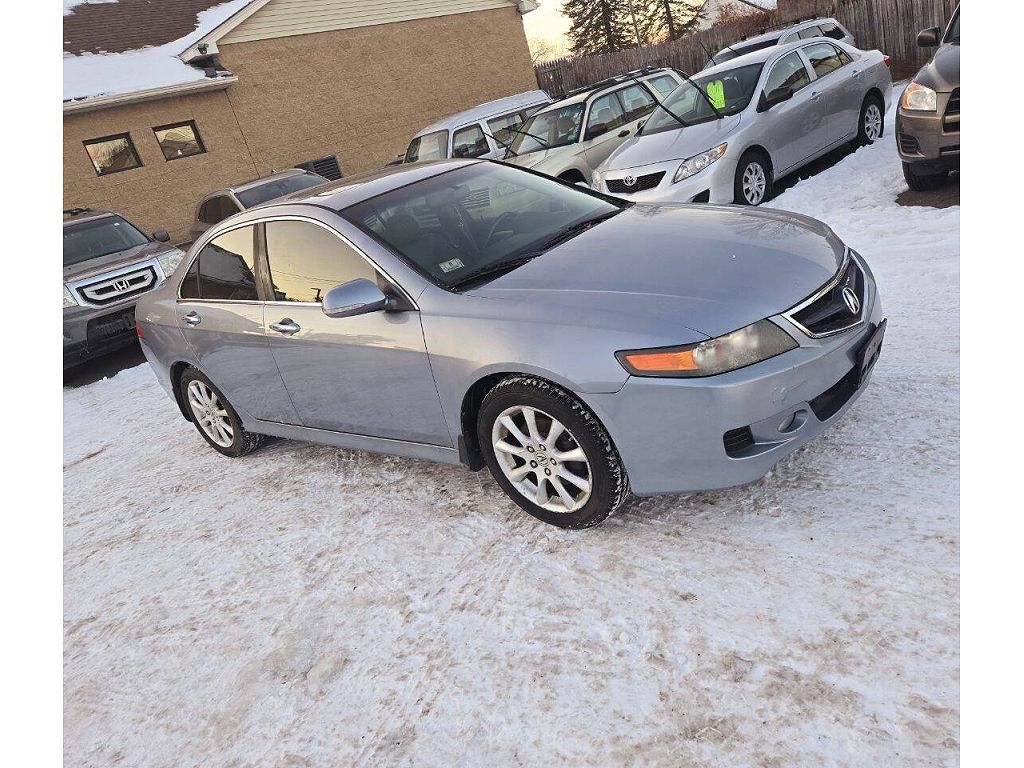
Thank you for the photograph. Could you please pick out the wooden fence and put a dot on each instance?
(891, 26)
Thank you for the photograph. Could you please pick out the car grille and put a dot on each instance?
(648, 181)
(951, 117)
(832, 309)
(908, 144)
(119, 287)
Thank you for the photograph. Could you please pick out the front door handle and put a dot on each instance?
(286, 326)
(815, 95)
(624, 134)
(193, 318)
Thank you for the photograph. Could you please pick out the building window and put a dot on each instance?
(110, 154)
(179, 140)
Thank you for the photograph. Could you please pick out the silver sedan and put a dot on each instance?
(738, 126)
(580, 346)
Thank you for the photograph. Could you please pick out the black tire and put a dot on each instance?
(863, 139)
(752, 157)
(923, 182)
(242, 441)
(572, 177)
(609, 485)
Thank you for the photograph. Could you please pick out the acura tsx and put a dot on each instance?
(580, 346)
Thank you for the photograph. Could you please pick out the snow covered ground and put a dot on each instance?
(307, 606)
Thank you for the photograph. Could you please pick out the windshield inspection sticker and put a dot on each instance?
(716, 92)
(451, 265)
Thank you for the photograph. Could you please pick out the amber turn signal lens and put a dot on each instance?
(681, 360)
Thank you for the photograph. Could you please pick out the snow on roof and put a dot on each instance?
(92, 75)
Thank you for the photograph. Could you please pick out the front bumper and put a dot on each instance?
(672, 434)
(929, 140)
(714, 184)
(93, 331)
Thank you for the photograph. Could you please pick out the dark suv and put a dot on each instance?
(928, 118)
(108, 264)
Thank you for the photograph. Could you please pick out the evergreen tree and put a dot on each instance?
(599, 26)
(671, 19)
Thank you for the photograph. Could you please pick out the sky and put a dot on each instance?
(548, 25)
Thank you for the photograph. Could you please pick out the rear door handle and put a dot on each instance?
(193, 318)
(286, 326)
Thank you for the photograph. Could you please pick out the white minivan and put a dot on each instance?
(485, 131)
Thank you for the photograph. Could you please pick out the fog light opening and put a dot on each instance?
(794, 422)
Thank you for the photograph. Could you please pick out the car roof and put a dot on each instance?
(762, 55)
(597, 89)
(489, 109)
(78, 215)
(338, 195)
(242, 186)
(778, 32)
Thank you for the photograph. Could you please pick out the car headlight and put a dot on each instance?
(697, 163)
(170, 260)
(595, 180)
(918, 97)
(738, 349)
(69, 299)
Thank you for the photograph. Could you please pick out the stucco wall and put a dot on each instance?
(357, 93)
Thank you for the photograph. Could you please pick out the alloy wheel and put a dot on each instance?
(542, 459)
(210, 414)
(872, 122)
(754, 183)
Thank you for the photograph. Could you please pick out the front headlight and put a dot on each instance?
(595, 180)
(738, 349)
(919, 98)
(69, 299)
(170, 260)
(697, 163)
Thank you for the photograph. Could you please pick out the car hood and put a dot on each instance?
(661, 269)
(117, 259)
(534, 159)
(942, 73)
(675, 144)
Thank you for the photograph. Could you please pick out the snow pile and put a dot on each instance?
(69, 5)
(309, 606)
(92, 75)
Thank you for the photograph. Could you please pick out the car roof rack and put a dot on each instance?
(77, 211)
(615, 80)
(781, 26)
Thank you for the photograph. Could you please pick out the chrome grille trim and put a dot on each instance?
(108, 288)
(858, 319)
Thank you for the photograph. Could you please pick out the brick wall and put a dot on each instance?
(359, 94)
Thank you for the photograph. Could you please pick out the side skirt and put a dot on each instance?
(382, 445)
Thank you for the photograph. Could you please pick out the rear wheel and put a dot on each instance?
(753, 182)
(550, 454)
(922, 182)
(872, 121)
(214, 417)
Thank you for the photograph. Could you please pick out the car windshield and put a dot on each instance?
(953, 35)
(478, 220)
(278, 188)
(98, 237)
(555, 128)
(429, 146)
(730, 91)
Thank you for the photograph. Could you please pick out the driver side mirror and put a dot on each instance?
(161, 236)
(356, 297)
(928, 38)
(775, 96)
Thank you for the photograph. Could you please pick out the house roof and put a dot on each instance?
(119, 48)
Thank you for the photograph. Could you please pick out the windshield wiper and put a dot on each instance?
(677, 118)
(570, 232)
(493, 269)
(538, 139)
(508, 147)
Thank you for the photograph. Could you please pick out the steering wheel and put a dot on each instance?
(497, 223)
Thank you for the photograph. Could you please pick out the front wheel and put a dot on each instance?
(922, 182)
(550, 454)
(753, 182)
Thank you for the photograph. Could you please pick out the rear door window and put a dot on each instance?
(828, 29)
(812, 31)
(432, 146)
(664, 84)
(224, 270)
(469, 142)
(216, 209)
(637, 101)
(824, 58)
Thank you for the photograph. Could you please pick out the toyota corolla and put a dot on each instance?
(582, 347)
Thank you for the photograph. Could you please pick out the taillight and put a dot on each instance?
(885, 59)
(138, 330)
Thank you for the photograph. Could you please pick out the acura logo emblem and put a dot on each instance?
(851, 301)
(629, 181)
